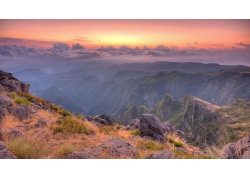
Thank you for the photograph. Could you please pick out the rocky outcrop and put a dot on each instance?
(163, 154)
(10, 83)
(21, 111)
(133, 124)
(41, 123)
(150, 125)
(112, 148)
(237, 150)
(103, 119)
(6, 104)
(5, 153)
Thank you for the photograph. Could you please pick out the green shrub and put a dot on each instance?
(64, 150)
(27, 149)
(20, 100)
(109, 130)
(12, 95)
(26, 95)
(71, 125)
(55, 107)
(64, 112)
(149, 145)
(178, 144)
(135, 132)
(79, 116)
(170, 140)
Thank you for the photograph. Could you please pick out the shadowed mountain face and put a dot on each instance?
(104, 88)
(204, 123)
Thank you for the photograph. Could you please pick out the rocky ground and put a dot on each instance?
(31, 127)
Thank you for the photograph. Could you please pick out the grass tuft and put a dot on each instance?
(135, 132)
(12, 95)
(26, 95)
(27, 149)
(149, 145)
(64, 112)
(109, 130)
(20, 100)
(64, 150)
(178, 144)
(71, 125)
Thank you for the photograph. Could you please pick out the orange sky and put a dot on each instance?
(94, 33)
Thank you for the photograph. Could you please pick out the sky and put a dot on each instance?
(215, 41)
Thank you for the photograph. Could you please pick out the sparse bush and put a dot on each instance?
(71, 125)
(64, 112)
(178, 144)
(26, 95)
(40, 100)
(79, 116)
(109, 130)
(20, 100)
(64, 150)
(135, 132)
(27, 149)
(55, 107)
(170, 140)
(149, 145)
(12, 95)
(118, 126)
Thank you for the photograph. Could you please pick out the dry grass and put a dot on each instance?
(109, 130)
(25, 148)
(135, 132)
(64, 150)
(10, 121)
(147, 144)
(71, 125)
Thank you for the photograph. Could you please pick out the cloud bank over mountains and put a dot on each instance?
(63, 55)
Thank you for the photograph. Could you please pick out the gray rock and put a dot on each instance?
(150, 125)
(112, 148)
(5, 101)
(21, 111)
(180, 134)
(237, 150)
(134, 124)
(108, 119)
(41, 123)
(16, 133)
(5, 153)
(163, 154)
(3, 113)
(10, 83)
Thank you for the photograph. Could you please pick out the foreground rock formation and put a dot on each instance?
(112, 148)
(237, 150)
(150, 125)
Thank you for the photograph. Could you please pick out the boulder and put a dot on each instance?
(5, 101)
(10, 83)
(108, 119)
(3, 113)
(5, 153)
(180, 134)
(163, 154)
(41, 123)
(112, 148)
(150, 125)
(134, 124)
(237, 150)
(16, 133)
(21, 111)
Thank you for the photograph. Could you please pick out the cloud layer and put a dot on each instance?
(61, 50)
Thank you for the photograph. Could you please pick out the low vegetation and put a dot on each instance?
(135, 132)
(64, 112)
(64, 150)
(20, 100)
(25, 148)
(71, 125)
(178, 144)
(149, 145)
(109, 130)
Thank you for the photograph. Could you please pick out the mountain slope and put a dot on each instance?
(204, 123)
